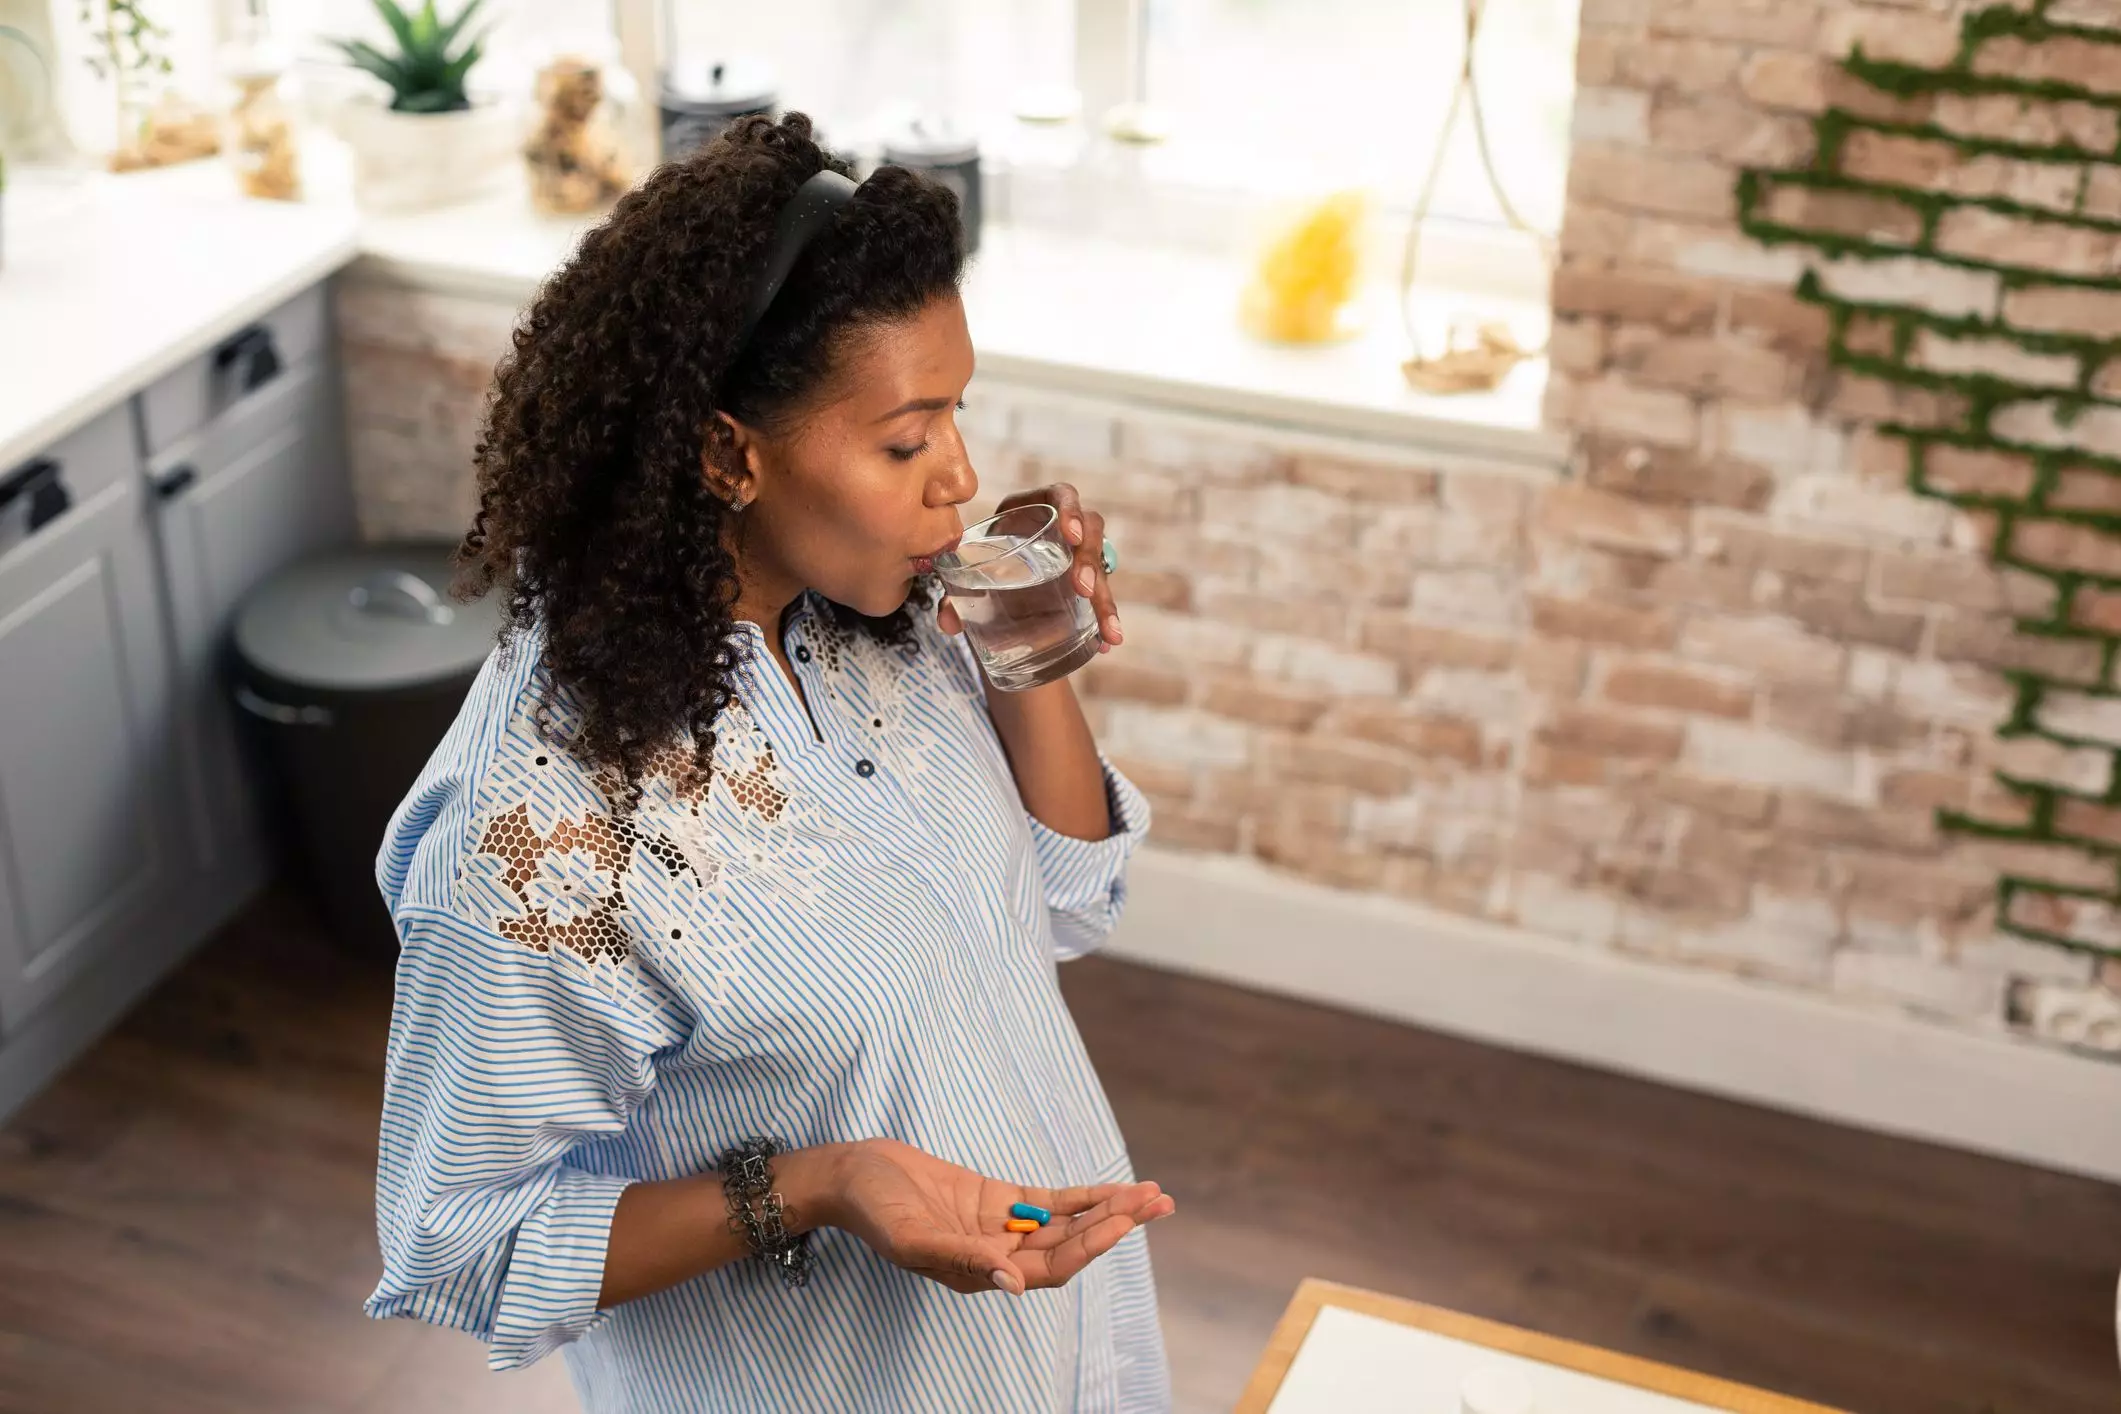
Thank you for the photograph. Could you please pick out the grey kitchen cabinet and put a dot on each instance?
(260, 485)
(129, 819)
(88, 824)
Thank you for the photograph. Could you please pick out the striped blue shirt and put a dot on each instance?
(848, 932)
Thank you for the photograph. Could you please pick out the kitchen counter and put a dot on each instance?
(110, 282)
(161, 485)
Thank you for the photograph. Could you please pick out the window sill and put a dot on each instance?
(1157, 326)
(1091, 317)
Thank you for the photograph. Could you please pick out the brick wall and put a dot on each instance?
(1713, 698)
(1837, 290)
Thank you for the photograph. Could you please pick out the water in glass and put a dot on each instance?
(1027, 622)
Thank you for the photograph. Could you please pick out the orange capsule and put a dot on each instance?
(1021, 1225)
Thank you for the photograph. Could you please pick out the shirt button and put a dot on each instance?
(865, 768)
(802, 653)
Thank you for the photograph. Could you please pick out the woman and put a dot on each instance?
(731, 843)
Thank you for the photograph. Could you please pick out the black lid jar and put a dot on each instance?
(700, 99)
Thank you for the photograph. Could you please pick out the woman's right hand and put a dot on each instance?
(946, 1223)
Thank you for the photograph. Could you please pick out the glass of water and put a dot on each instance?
(1009, 578)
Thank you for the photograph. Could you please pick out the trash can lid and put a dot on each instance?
(365, 620)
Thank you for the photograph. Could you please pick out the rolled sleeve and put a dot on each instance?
(556, 1271)
(1086, 880)
(503, 1065)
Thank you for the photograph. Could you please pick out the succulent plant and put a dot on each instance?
(424, 75)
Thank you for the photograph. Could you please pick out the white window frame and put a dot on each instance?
(1111, 55)
(1111, 66)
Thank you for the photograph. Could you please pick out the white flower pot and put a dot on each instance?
(411, 161)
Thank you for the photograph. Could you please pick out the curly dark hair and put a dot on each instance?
(595, 516)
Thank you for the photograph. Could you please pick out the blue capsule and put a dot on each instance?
(1030, 1214)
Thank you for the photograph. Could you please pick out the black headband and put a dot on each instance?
(808, 212)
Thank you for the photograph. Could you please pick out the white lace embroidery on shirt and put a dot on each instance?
(767, 829)
(558, 871)
(884, 682)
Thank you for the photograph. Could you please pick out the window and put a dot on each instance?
(1265, 97)
(518, 32)
(858, 66)
(1287, 96)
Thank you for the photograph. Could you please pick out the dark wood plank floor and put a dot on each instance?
(185, 1219)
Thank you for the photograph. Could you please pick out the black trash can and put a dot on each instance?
(351, 665)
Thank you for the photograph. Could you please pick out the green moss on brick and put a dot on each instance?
(1908, 81)
(1983, 394)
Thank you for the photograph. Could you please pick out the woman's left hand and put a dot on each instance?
(1085, 532)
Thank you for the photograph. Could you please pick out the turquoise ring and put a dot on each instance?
(1111, 556)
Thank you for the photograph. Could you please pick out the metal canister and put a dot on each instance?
(951, 157)
(700, 99)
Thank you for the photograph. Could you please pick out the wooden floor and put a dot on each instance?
(185, 1219)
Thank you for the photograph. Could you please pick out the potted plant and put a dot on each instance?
(432, 143)
(155, 124)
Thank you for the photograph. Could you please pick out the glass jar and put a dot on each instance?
(260, 142)
(577, 155)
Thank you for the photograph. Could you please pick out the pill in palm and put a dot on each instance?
(1021, 1225)
(1027, 1210)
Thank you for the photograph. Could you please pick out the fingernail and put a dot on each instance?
(1006, 1282)
(1075, 528)
(1085, 577)
(1113, 625)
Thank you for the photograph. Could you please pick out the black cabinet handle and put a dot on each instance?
(253, 353)
(39, 481)
(171, 483)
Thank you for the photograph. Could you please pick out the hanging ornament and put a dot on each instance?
(1476, 356)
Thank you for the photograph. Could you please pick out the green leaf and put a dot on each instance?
(400, 26)
(426, 100)
(365, 57)
(455, 27)
(452, 80)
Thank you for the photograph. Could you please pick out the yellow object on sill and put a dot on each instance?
(1301, 291)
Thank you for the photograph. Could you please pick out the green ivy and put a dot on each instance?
(1899, 80)
(1981, 394)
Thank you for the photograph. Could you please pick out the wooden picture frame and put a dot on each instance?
(1314, 1295)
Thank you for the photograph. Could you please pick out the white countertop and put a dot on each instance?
(111, 282)
(1085, 316)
